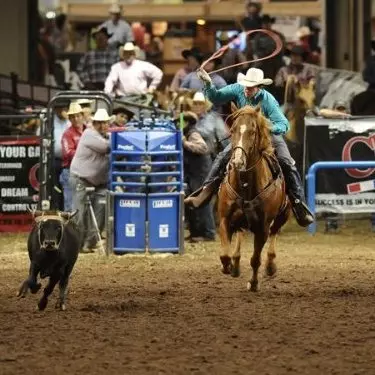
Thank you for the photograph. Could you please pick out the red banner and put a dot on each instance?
(19, 185)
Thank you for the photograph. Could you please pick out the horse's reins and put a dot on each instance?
(220, 52)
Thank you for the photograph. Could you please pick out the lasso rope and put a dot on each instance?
(220, 52)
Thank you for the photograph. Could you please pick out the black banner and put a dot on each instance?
(19, 185)
(342, 190)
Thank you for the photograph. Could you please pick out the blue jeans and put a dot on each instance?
(67, 189)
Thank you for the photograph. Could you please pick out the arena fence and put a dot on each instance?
(363, 203)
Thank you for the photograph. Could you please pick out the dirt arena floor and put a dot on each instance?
(180, 315)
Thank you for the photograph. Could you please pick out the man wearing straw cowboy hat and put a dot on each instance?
(248, 91)
(130, 76)
(120, 30)
(210, 124)
(89, 168)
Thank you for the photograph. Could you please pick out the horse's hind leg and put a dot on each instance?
(277, 224)
(225, 238)
(236, 256)
(260, 238)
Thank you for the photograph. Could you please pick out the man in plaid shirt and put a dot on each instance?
(95, 65)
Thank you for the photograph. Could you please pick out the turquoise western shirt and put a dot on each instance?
(269, 105)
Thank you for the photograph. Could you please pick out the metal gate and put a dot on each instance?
(46, 176)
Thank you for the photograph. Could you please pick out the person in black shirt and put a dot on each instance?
(253, 20)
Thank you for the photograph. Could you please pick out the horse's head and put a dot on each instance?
(250, 136)
(306, 93)
(302, 92)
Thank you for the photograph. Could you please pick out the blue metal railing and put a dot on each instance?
(311, 179)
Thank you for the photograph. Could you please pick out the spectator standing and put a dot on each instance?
(194, 58)
(192, 82)
(210, 125)
(131, 76)
(252, 20)
(197, 164)
(120, 30)
(95, 65)
(263, 45)
(297, 67)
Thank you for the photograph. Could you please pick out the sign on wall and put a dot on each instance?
(19, 185)
(342, 190)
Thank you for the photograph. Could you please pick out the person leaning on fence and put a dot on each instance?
(89, 169)
(69, 144)
(197, 163)
(122, 117)
(131, 76)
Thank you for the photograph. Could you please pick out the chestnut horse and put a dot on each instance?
(252, 196)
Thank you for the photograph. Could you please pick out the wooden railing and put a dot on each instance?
(146, 11)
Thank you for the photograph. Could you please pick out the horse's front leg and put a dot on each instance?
(260, 238)
(236, 256)
(277, 224)
(225, 238)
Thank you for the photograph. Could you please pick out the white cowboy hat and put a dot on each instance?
(74, 109)
(102, 115)
(303, 31)
(199, 97)
(128, 47)
(84, 101)
(115, 9)
(254, 77)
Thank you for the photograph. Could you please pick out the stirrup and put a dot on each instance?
(203, 195)
(302, 213)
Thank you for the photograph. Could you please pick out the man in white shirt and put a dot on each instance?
(120, 29)
(130, 76)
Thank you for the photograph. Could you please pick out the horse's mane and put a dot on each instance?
(262, 125)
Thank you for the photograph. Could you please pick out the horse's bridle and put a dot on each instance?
(246, 155)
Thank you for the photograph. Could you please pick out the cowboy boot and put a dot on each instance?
(296, 195)
(212, 183)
